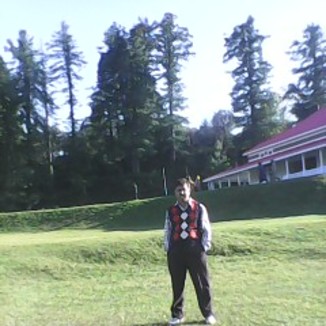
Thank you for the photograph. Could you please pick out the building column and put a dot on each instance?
(229, 183)
(287, 168)
(239, 181)
(220, 185)
(248, 175)
(303, 163)
(321, 162)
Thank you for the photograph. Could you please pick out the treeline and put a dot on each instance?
(135, 135)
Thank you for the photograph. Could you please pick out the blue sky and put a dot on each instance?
(207, 83)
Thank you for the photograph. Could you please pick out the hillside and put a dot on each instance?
(298, 197)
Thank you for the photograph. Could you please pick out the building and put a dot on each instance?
(295, 153)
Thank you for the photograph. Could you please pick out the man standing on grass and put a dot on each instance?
(187, 238)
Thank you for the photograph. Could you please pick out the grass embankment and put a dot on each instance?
(298, 197)
(264, 272)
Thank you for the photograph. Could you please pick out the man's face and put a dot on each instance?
(182, 193)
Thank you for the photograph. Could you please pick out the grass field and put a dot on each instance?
(264, 272)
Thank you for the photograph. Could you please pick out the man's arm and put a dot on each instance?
(206, 239)
(167, 232)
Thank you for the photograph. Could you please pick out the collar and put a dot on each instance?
(190, 203)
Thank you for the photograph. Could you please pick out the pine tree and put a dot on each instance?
(125, 102)
(211, 143)
(11, 133)
(141, 102)
(125, 106)
(310, 91)
(173, 48)
(26, 73)
(65, 63)
(109, 96)
(45, 97)
(253, 103)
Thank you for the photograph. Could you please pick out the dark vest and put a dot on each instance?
(186, 224)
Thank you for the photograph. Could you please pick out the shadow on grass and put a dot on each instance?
(193, 322)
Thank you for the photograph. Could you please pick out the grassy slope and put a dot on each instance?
(264, 272)
(301, 197)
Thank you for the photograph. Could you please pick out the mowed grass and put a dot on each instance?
(264, 272)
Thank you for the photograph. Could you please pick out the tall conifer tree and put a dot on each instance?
(174, 45)
(11, 132)
(309, 93)
(65, 64)
(253, 104)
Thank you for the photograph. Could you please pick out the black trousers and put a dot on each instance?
(189, 257)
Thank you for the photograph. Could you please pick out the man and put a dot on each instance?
(187, 238)
(262, 173)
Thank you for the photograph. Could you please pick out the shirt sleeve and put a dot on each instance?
(206, 239)
(167, 232)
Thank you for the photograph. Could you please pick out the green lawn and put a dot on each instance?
(264, 272)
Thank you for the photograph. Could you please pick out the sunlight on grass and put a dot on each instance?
(264, 272)
(65, 236)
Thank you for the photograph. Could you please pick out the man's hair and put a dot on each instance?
(184, 181)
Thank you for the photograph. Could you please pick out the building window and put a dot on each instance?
(295, 164)
(266, 153)
(310, 162)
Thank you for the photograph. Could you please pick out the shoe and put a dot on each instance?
(176, 321)
(210, 320)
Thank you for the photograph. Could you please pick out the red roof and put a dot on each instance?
(314, 121)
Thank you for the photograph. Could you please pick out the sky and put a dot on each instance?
(205, 77)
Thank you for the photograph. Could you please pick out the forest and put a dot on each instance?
(135, 137)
